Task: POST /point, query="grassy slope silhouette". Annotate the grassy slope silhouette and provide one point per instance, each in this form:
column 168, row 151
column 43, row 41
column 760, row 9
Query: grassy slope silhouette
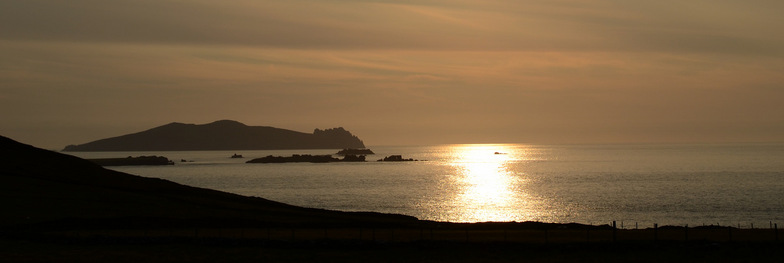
column 46, row 195
column 40, row 186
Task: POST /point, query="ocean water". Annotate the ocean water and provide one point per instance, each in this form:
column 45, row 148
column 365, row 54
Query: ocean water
column 724, row 184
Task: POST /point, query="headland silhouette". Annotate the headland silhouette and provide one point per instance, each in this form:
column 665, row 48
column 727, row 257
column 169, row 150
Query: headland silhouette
column 222, row 135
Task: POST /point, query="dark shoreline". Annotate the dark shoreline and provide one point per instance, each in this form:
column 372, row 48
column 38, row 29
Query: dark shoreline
column 62, row 208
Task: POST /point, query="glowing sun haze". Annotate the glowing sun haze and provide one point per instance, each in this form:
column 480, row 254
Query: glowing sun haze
column 397, row 72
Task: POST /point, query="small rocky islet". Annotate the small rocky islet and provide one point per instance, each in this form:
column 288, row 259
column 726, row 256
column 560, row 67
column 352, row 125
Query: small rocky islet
column 352, row 151
column 296, row 158
column 347, row 157
column 396, row 158
column 307, row 158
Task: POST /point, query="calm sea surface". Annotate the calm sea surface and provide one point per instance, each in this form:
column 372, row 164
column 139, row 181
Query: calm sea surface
column 726, row 184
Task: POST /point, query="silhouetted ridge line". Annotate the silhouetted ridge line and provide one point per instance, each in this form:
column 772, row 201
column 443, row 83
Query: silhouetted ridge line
column 222, row 135
column 41, row 186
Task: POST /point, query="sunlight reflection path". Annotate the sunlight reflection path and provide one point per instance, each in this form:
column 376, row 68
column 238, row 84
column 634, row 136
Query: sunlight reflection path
column 488, row 189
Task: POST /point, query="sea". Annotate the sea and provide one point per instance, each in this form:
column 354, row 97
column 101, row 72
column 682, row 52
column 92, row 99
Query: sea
column 636, row 185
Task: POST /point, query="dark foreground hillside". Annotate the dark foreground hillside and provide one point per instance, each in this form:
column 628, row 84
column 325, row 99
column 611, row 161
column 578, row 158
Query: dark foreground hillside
column 57, row 207
column 44, row 187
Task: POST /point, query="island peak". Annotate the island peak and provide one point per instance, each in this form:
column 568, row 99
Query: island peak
column 222, row 135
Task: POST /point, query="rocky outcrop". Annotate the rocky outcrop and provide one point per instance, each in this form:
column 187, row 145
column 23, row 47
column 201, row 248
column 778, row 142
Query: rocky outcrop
column 355, row 152
column 222, row 135
column 306, row 158
column 396, row 158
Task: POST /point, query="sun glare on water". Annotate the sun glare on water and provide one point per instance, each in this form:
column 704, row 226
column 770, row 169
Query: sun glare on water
column 488, row 189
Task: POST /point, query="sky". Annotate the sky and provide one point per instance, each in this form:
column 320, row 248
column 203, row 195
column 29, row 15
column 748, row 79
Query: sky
column 397, row 72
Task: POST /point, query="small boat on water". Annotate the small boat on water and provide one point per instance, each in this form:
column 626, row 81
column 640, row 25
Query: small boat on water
column 237, row 156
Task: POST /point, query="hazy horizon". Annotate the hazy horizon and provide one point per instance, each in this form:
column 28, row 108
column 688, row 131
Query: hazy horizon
column 446, row 142
column 397, row 72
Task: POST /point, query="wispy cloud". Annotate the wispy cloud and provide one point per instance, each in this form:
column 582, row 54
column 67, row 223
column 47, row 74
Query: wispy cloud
column 522, row 68
column 669, row 26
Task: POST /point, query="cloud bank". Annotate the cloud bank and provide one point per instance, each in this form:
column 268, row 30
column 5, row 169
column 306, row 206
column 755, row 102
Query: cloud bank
column 397, row 72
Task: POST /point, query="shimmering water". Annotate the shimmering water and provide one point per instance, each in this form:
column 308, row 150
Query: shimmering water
column 726, row 184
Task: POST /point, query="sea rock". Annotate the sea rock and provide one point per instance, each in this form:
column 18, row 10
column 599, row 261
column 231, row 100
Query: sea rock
column 355, row 152
column 306, row 158
column 353, row 158
column 396, row 158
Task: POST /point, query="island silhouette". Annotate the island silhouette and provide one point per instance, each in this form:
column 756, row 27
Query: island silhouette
column 222, row 135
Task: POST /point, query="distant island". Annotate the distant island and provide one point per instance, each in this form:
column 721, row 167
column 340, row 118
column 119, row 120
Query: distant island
column 307, row 158
column 222, row 135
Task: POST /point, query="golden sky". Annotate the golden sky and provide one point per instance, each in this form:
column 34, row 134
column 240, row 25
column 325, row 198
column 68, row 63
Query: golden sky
column 397, row 72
